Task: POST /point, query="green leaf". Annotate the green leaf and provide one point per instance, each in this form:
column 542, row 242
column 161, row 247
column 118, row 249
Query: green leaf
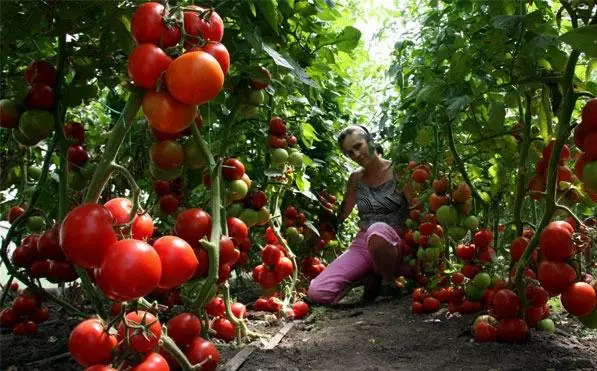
column 308, row 134
column 348, row 39
column 457, row 105
column 583, row 39
column 310, row 225
column 269, row 9
column 287, row 62
column 252, row 8
column 303, row 183
column 507, row 22
column 497, row 115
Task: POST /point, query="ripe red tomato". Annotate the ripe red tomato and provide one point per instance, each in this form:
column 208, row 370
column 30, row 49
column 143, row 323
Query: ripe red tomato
column 90, row 344
column 192, row 225
column 564, row 153
column 194, row 78
column 483, row 238
column 142, row 227
column 505, row 304
column 130, row 269
column 140, row 340
column 556, row 241
column 271, row 255
column 86, row 233
column 225, row 329
column 146, row 64
column 466, row 252
column 512, row 330
column 276, row 126
column 555, row 276
column 215, row 307
column 178, row 261
column 27, row 327
column 147, row 26
column 167, row 114
column 219, row 52
column 152, row 362
column 579, row 299
column 274, row 141
column 237, row 229
column 40, row 72
column 431, row 304
column 470, row 270
column 161, row 187
column 169, row 204
column 48, row 245
column 536, row 295
column 233, row 169
column 589, row 114
column 40, row 96
column 283, row 268
column 77, row 156
column 8, row 318
column 226, row 250
column 184, row 328
column 75, row 131
column 14, row 213
column 419, row 294
column 484, row 332
column 300, row 309
column 457, row 278
column 420, row 175
column 417, row 307
column 517, row 248
column 120, row 208
column 238, row 309
column 201, row 350
column 196, row 25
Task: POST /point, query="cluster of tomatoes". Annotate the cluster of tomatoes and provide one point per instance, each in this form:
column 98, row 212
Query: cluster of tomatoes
column 216, row 309
column 585, row 138
column 170, row 195
column 276, row 265
column 77, row 156
column 135, row 342
column 278, row 140
column 564, row 174
column 24, row 314
column 273, row 304
column 34, row 122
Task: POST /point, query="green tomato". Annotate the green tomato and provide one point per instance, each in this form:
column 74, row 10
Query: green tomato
column 292, row 233
column 288, row 80
column 235, row 209
column 163, row 174
column 23, row 139
column 432, row 253
column 482, row 280
column 410, row 223
column 296, row 159
column 590, row 320
column 473, row 293
column 237, row 189
column 76, row 180
column 547, row 324
column 34, row 172
column 36, row 124
column 417, row 236
column 590, row 175
column 279, row 156
column 249, row 111
column 421, row 254
column 36, row 223
column 263, row 216
column 446, row 215
column 249, row 216
column 434, row 240
column 193, row 158
column 256, row 97
column 457, row 233
column 470, row 222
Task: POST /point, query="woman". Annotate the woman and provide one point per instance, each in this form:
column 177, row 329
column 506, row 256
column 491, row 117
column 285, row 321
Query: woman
column 382, row 211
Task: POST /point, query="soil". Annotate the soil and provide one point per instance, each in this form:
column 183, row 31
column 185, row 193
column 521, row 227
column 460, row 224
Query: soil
column 380, row 336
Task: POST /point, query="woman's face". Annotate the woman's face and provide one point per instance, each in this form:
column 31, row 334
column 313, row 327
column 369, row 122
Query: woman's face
column 356, row 147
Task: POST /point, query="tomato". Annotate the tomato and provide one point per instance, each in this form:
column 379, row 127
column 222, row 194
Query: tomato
column 41, row 315
column 40, row 268
column 167, row 114
column 484, row 331
column 131, row 269
column 9, row 114
column 8, row 318
column 184, row 328
column 161, row 187
column 466, row 252
column 178, row 261
column 75, row 131
column 14, row 213
column 517, row 248
column 36, row 124
column 260, row 79
column 431, row 304
column 512, row 330
column 194, row 78
column 226, row 250
column 589, row 114
column 258, row 200
column 237, row 229
column 41, row 72
column 435, row 202
column 564, row 153
column 146, row 64
column 483, row 238
column 462, row 193
column 238, row 309
column 86, row 234
column 555, row 276
column 276, row 126
column 225, row 329
column 202, row 350
column 440, row 185
column 62, row 271
column 142, row 227
column 147, row 26
column 152, row 362
column 271, row 255
column 276, row 142
column 100, row 368
column 25, row 328
column 196, row 25
column 168, row 204
column 90, row 344
column 40, row 96
column 219, row 52
column 292, row 142
column 167, row 154
column 192, row 225
column 417, row 307
column 555, row 241
column 77, row 155
column 141, row 340
column 579, row 299
column 536, row 295
column 300, row 309
column 233, row 169
column 420, row 175
column 506, row 304
column 283, row 268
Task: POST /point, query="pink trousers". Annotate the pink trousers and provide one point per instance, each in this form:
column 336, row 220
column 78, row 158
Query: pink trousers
column 355, row 263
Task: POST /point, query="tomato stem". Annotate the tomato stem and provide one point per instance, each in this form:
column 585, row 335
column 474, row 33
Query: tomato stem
column 58, row 125
column 523, row 170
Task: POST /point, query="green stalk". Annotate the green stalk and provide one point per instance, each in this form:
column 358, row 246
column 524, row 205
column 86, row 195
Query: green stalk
column 522, row 163
column 58, row 125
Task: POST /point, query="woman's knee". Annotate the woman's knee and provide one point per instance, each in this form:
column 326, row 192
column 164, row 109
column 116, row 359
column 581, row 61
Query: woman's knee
column 377, row 244
column 318, row 294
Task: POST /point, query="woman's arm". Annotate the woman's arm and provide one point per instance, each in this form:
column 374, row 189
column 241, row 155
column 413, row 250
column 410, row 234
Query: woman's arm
column 407, row 190
column 350, row 198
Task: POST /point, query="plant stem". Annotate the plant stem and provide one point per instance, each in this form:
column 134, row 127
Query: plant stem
column 522, row 163
column 58, row 127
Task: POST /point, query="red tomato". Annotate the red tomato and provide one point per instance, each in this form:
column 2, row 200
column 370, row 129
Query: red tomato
column 417, row 307
column 201, row 350
column 579, row 299
column 420, row 175
column 238, row 309
column 555, row 276
column 166, row 114
column 506, row 304
column 14, row 213
column 140, row 340
column 517, row 248
column 178, row 261
column 161, row 187
column 512, row 330
column 77, row 156
column 233, row 169
column 41, row 72
column 219, row 52
column 184, row 328
column 196, row 25
column 483, row 238
column 589, row 114
column 142, row 227
column 40, row 96
column 146, row 64
column 556, row 241
column 458, row 278
column 470, row 270
column 215, row 307
column 225, row 329
column 431, row 304
column 90, row 344
column 120, row 208
column 226, row 250
column 152, row 362
column 25, row 328
column 419, row 294
column 167, row 154
column 237, row 229
column 270, row 236
column 86, row 234
column 484, row 332
column 536, row 295
column 100, row 368
column 24, row 305
column 8, row 318
column 63, row 271
column 192, row 225
column 223, row 273
column 271, row 255
column 300, row 309
column 194, row 78
column 283, row 268
column 75, row 131
column 147, row 26
column 169, row 204
column 131, row 269
column 276, row 126
column 532, row 315
column 48, row 245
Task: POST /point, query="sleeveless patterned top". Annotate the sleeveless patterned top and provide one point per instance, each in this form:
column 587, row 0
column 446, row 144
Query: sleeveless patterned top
column 381, row 204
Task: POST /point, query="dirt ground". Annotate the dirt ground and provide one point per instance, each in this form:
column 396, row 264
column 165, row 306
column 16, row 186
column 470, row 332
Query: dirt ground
column 379, row 336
